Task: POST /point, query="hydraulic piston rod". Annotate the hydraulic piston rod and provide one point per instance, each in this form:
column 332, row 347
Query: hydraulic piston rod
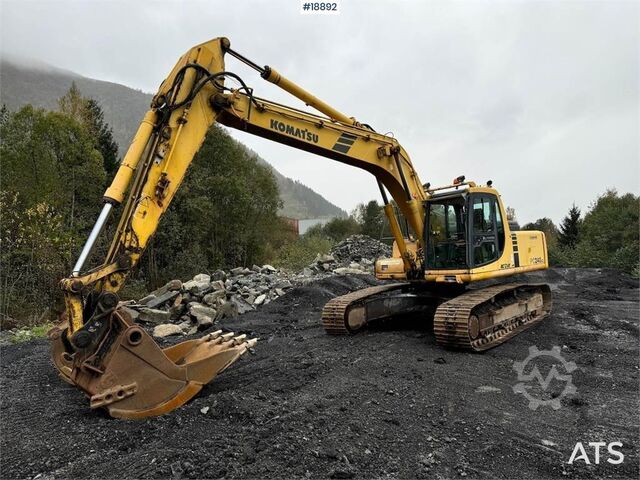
column 93, row 236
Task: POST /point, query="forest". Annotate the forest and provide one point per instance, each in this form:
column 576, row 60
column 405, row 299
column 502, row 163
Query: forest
column 56, row 165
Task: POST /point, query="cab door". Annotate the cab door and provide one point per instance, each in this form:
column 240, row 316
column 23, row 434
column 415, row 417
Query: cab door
column 486, row 230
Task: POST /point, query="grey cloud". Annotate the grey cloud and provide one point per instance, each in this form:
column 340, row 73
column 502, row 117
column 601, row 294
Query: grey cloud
column 542, row 97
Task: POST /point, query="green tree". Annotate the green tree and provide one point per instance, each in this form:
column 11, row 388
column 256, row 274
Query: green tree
column 103, row 135
column 336, row 229
column 51, row 185
column 371, row 218
column 88, row 112
column 568, row 235
column 49, row 157
column 73, row 104
column 4, row 115
column 609, row 233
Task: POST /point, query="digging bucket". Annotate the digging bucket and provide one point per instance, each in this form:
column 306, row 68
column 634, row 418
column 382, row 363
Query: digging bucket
column 131, row 377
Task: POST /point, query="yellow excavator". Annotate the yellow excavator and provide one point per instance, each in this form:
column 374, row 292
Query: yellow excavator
column 454, row 235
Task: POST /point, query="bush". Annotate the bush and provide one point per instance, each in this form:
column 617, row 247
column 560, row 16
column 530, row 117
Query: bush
column 607, row 237
column 336, row 229
column 609, row 233
column 301, row 252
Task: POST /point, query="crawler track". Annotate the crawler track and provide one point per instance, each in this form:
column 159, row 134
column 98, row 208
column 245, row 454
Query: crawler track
column 482, row 319
column 335, row 314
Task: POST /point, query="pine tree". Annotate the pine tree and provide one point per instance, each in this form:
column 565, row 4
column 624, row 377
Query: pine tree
column 103, row 135
column 569, row 233
column 88, row 112
column 73, row 104
column 4, row 114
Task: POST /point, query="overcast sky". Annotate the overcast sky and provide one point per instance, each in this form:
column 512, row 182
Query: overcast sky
column 540, row 97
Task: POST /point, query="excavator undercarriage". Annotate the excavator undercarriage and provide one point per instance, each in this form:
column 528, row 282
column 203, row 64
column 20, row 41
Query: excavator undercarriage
column 470, row 319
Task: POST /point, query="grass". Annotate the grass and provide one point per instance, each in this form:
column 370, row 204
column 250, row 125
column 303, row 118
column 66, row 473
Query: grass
column 25, row 334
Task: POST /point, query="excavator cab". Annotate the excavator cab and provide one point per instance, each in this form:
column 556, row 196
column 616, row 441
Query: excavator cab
column 464, row 230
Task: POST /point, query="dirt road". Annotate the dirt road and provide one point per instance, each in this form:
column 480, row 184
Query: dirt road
column 386, row 403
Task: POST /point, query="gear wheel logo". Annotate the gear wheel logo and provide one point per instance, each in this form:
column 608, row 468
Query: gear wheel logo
column 524, row 379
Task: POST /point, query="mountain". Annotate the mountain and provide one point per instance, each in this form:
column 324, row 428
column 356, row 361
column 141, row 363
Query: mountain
column 41, row 85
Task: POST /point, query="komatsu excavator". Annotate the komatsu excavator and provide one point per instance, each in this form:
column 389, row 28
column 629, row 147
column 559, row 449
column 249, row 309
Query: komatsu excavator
column 456, row 235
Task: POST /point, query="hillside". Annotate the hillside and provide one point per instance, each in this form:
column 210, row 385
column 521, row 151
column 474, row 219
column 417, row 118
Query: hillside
column 42, row 85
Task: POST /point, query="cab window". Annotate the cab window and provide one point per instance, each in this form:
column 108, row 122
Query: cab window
column 446, row 242
column 487, row 229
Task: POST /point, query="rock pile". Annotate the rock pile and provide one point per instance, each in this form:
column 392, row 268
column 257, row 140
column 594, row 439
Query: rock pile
column 360, row 247
column 185, row 308
column 356, row 254
column 194, row 305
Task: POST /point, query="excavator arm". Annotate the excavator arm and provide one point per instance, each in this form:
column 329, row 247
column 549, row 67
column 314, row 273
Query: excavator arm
column 98, row 348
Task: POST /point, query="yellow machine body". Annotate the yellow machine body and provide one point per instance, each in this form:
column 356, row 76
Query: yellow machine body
column 518, row 252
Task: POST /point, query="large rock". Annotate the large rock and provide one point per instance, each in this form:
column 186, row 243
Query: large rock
column 324, row 258
column 147, row 299
column 152, row 315
column 169, row 286
column 204, row 322
column 260, row 299
column 202, row 278
column 198, row 287
column 134, row 314
column 164, row 298
column 213, row 298
column 218, row 275
column 348, row 271
column 185, row 325
column 283, row 284
column 217, row 285
column 268, row 269
column 166, row 329
column 226, row 310
column 204, row 315
column 242, row 306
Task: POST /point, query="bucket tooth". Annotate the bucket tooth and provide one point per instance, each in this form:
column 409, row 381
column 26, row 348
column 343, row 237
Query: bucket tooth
column 213, row 335
column 239, row 339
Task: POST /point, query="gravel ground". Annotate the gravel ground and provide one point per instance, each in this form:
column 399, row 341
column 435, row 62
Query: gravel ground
column 386, row 403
